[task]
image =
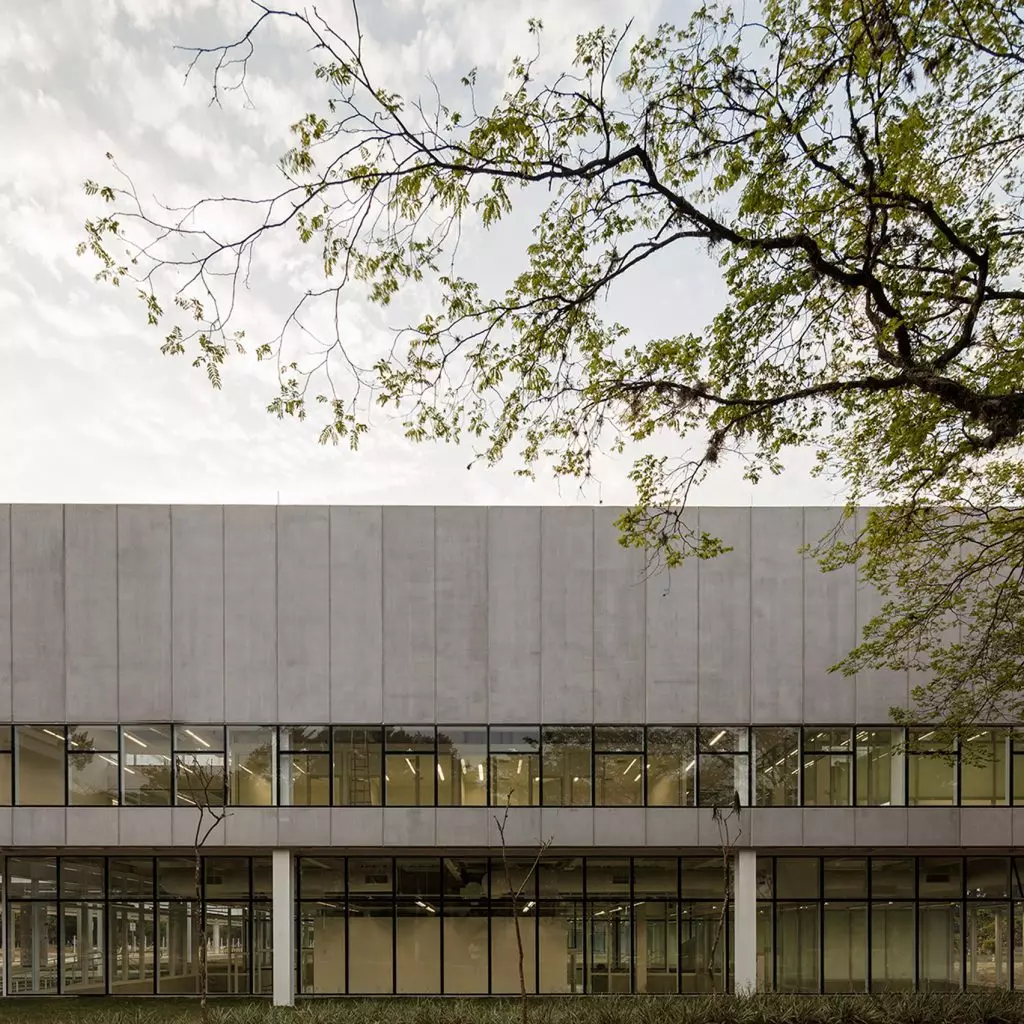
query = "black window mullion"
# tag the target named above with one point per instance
(917, 923)
(821, 924)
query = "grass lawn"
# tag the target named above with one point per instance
(995, 1008)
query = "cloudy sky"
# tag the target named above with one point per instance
(89, 409)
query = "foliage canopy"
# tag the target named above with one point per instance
(853, 167)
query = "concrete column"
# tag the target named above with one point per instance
(745, 922)
(283, 910)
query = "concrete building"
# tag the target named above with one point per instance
(366, 691)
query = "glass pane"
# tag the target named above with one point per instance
(560, 877)
(306, 738)
(796, 878)
(33, 948)
(226, 878)
(227, 944)
(32, 878)
(409, 780)
(305, 780)
(765, 948)
(702, 877)
(199, 779)
(722, 740)
(988, 877)
(608, 876)
(940, 877)
(7, 778)
(656, 959)
(93, 737)
(461, 767)
(465, 948)
(515, 767)
(178, 931)
(828, 780)
(560, 928)
(92, 780)
(938, 936)
(609, 948)
(130, 877)
(671, 767)
(146, 765)
(892, 877)
(656, 876)
(83, 944)
(410, 739)
(703, 942)
(892, 947)
(797, 938)
(505, 948)
(370, 945)
(846, 947)
(566, 763)
(418, 876)
(323, 877)
(836, 741)
(81, 878)
(176, 877)
(511, 874)
(931, 769)
(722, 779)
(620, 780)
(466, 878)
(357, 767)
(131, 948)
(417, 948)
(251, 759)
(846, 878)
(988, 945)
(322, 932)
(618, 739)
(370, 876)
(776, 767)
(984, 771)
(198, 738)
(39, 751)
(880, 761)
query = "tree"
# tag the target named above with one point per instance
(853, 167)
(201, 784)
(730, 830)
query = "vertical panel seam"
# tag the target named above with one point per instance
(223, 615)
(277, 607)
(383, 620)
(330, 614)
(593, 621)
(433, 587)
(10, 603)
(697, 603)
(117, 611)
(487, 619)
(170, 589)
(803, 609)
(750, 612)
(64, 602)
(540, 632)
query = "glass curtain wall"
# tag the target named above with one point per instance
(133, 925)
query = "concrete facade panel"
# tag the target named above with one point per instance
(38, 826)
(37, 613)
(776, 827)
(464, 826)
(934, 826)
(568, 826)
(357, 827)
(90, 607)
(357, 618)
(881, 826)
(877, 689)
(144, 612)
(303, 614)
(409, 633)
(986, 826)
(672, 645)
(251, 826)
(144, 827)
(567, 615)
(830, 626)
(183, 828)
(5, 613)
(250, 614)
(723, 595)
(671, 827)
(460, 595)
(776, 615)
(620, 614)
(410, 826)
(620, 826)
(197, 614)
(522, 829)
(829, 826)
(304, 826)
(1017, 815)
(513, 615)
(735, 829)
(91, 826)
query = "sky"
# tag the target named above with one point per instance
(90, 411)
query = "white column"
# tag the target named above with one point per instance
(284, 929)
(745, 922)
